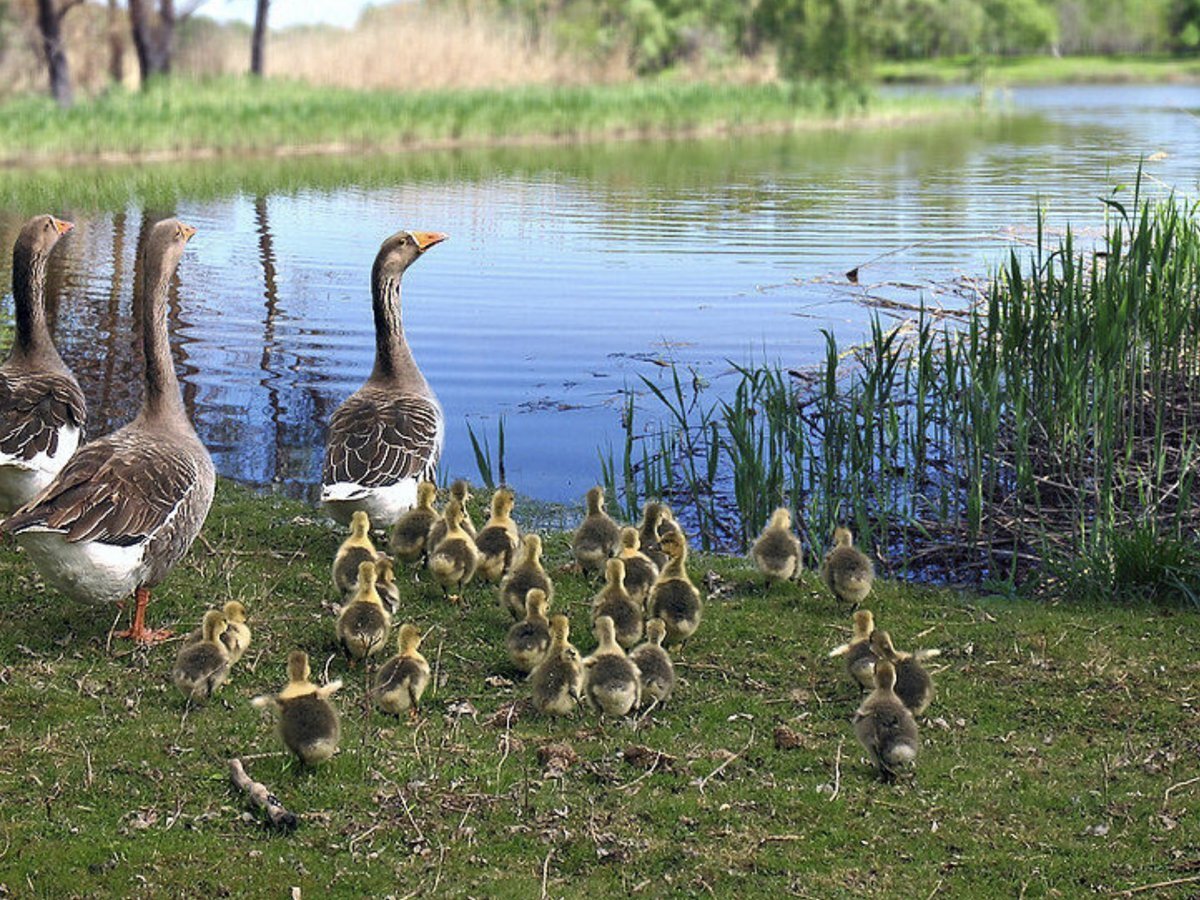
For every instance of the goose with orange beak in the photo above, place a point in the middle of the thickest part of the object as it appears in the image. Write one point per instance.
(387, 436)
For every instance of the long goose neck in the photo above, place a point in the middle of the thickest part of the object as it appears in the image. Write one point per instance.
(393, 359)
(163, 400)
(29, 298)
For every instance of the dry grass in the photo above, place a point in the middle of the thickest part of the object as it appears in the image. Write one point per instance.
(408, 46)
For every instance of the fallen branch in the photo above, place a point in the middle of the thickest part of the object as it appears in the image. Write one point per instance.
(278, 816)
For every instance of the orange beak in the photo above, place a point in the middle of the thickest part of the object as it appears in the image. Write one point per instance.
(426, 239)
(61, 226)
(187, 230)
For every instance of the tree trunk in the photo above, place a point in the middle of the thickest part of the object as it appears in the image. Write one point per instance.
(50, 27)
(154, 41)
(260, 37)
(116, 44)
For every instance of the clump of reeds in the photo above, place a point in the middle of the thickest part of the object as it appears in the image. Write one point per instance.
(1062, 418)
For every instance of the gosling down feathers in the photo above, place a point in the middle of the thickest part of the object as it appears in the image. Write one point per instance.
(408, 540)
(385, 583)
(777, 550)
(364, 624)
(308, 723)
(860, 658)
(403, 678)
(557, 682)
(614, 601)
(460, 491)
(42, 410)
(847, 571)
(674, 598)
(612, 681)
(454, 559)
(387, 436)
(598, 535)
(655, 669)
(640, 570)
(655, 523)
(202, 667)
(355, 550)
(885, 727)
(913, 684)
(236, 636)
(526, 575)
(126, 508)
(528, 641)
(497, 540)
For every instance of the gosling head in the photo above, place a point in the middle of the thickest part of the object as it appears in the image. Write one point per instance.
(384, 569)
(461, 491)
(426, 494)
(235, 612)
(535, 603)
(885, 675)
(360, 524)
(366, 576)
(864, 624)
(409, 639)
(533, 547)
(453, 514)
(629, 539)
(213, 624)
(298, 666)
(605, 630)
(842, 537)
(560, 629)
(656, 631)
(782, 518)
(595, 500)
(881, 643)
(614, 573)
(502, 503)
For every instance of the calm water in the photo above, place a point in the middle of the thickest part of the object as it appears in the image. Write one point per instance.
(569, 272)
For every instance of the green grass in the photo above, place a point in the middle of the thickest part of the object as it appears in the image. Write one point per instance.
(1054, 756)
(1041, 70)
(242, 116)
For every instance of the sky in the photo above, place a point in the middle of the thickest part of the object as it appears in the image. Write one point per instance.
(285, 13)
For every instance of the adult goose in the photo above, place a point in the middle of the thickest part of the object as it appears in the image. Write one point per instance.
(126, 508)
(42, 410)
(387, 436)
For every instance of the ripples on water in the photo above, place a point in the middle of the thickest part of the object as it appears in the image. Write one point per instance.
(569, 271)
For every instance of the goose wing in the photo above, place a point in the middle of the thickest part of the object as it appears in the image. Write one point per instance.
(34, 407)
(378, 438)
(120, 490)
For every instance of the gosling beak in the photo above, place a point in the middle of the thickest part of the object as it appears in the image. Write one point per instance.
(426, 239)
(62, 227)
(187, 230)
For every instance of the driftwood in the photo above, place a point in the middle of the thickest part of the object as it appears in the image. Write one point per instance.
(261, 797)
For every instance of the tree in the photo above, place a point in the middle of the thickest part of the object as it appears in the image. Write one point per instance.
(49, 20)
(259, 38)
(154, 34)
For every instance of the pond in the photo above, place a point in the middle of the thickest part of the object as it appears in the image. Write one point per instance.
(569, 271)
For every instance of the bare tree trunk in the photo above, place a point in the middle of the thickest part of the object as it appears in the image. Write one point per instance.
(50, 26)
(154, 35)
(260, 37)
(116, 44)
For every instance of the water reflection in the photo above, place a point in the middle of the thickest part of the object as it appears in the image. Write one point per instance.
(568, 272)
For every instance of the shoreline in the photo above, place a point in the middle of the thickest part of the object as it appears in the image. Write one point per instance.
(618, 134)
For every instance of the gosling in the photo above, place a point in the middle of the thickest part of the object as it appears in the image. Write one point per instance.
(202, 667)
(614, 601)
(597, 536)
(408, 540)
(777, 550)
(403, 678)
(355, 549)
(860, 658)
(528, 641)
(526, 575)
(612, 682)
(847, 570)
(913, 684)
(454, 559)
(363, 624)
(656, 671)
(674, 598)
(308, 723)
(557, 682)
(885, 727)
(498, 539)
(640, 570)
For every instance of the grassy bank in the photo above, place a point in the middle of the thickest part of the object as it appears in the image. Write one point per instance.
(1041, 70)
(1056, 759)
(237, 116)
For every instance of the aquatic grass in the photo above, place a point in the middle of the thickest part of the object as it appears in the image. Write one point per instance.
(1060, 418)
(232, 116)
(491, 471)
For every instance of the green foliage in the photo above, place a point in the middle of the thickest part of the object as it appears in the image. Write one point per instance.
(1183, 22)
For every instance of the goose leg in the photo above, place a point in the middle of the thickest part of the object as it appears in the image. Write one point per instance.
(139, 632)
